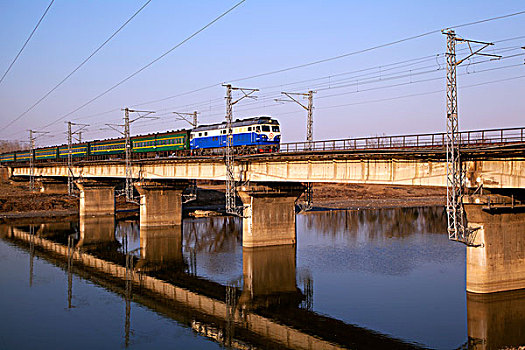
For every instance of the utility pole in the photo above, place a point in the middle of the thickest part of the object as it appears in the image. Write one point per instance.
(229, 159)
(129, 174)
(310, 110)
(183, 116)
(309, 134)
(31, 161)
(128, 190)
(457, 229)
(32, 139)
(192, 195)
(70, 133)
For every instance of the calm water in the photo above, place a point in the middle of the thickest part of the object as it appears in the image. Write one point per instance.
(363, 279)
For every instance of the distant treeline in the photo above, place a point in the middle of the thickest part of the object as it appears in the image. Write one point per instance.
(11, 146)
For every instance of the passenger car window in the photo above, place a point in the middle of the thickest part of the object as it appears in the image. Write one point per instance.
(275, 128)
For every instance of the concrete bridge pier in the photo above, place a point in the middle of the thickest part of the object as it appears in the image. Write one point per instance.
(97, 197)
(53, 186)
(496, 262)
(269, 213)
(161, 202)
(269, 277)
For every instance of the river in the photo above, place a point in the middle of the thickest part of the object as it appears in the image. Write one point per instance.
(386, 278)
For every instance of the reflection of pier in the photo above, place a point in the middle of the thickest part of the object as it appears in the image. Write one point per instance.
(269, 277)
(160, 248)
(269, 293)
(496, 320)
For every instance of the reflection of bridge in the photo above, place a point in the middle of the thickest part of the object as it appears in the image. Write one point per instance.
(227, 314)
(495, 172)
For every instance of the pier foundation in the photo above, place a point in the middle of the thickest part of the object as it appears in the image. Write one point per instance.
(161, 202)
(96, 197)
(496, 261)
(53, 186)
(269, 213)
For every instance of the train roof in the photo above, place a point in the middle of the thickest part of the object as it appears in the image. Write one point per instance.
(239, 122)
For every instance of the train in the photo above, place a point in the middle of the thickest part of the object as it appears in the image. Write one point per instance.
(249, 136)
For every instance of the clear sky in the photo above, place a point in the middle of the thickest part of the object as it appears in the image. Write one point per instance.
(258, 37)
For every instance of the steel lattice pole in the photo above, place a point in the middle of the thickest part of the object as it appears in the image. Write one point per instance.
(310, 120)
(129, 175)
(230, 179)
(31, 161)
(69, 160)
(454, 170)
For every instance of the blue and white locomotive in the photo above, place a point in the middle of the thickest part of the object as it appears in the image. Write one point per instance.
(252, 135)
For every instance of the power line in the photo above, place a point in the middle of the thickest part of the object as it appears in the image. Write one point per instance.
(377, 47)
(198, 104)
(147, 65)
(27, 40)
(79, 66)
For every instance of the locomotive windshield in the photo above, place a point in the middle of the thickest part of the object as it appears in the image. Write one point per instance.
(265, 128)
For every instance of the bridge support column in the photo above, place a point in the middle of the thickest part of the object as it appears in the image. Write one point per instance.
(96, 197)
(496, 262)
(53, 186)
(269, 213)
(161, 202)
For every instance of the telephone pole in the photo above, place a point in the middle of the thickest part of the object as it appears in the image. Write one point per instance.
(70, 134)
(128, 190)
(231, 208)
(457, 229)
(309, 134)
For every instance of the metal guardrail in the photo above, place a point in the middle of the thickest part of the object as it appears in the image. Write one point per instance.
(468, 139)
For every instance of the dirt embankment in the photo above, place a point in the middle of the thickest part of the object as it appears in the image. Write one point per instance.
(15, 198)
(354, 196)
(16, 201)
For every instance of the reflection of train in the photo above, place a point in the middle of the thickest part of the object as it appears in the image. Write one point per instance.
(252, 135)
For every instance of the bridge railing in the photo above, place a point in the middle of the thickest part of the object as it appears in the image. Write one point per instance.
(467, 139)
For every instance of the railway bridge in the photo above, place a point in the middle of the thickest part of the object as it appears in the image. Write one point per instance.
(269, 184)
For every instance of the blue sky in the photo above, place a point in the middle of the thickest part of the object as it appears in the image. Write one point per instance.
(258, 37)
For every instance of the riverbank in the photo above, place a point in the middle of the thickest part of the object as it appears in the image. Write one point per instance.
(17, 202)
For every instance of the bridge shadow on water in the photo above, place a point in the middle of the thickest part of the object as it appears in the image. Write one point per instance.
(269, 305)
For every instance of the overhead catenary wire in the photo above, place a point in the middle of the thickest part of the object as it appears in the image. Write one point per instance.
(27, 40)
(146, 66)
(355, 52)
(428, 57)
(78, 67)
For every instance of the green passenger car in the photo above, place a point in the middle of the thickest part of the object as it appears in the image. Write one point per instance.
(7, 157)
(79, 150)
(24, 156)
(46, 153)
(114, 146)
(165, 142)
